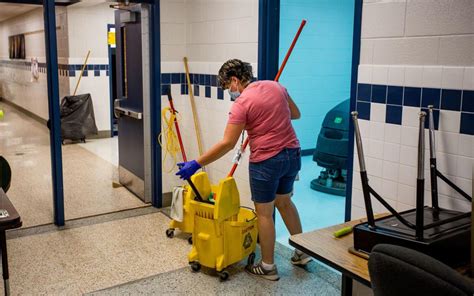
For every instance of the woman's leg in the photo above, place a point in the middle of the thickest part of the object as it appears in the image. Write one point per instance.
(289, 213)
(266, 230)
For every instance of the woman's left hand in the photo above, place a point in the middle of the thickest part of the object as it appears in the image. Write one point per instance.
(187, 169)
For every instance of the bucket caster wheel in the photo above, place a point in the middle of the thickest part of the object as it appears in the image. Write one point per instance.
(251, 259)
(195, 266)
(223, 275)
(190, 240)
(170, 232)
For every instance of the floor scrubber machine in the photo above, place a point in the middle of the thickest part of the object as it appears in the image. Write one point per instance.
(331, 151)
(441, 233)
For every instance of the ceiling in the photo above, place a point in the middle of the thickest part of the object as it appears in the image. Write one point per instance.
(8, 10)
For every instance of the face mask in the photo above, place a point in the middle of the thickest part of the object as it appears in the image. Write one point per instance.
(234, 95)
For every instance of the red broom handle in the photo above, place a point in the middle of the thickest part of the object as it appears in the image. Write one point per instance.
(277, 77)
(180, 140)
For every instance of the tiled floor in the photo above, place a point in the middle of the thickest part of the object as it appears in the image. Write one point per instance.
(316, 209)
(106, 148)
(87, 177)
(132, 255)
(92, 257)
(315, 279)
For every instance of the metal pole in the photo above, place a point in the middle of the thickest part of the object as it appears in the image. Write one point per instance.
(360, 150)
(433, 168)
(420, 182)
(432, 132)
(363, 172)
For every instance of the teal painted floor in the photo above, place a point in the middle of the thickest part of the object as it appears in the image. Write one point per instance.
(317, 209)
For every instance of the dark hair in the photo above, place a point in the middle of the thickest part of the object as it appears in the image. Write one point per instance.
(237, 68)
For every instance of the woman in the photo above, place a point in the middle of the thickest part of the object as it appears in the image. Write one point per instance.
(265, 110)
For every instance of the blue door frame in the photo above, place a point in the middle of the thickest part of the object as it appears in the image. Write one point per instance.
(268, 43)
(53, 106)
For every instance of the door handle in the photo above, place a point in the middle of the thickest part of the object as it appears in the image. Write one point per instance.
(121, 111)
(128, 112)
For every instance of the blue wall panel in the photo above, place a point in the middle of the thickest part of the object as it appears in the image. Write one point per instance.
(318, 74)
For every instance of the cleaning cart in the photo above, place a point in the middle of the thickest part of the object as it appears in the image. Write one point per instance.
(224, 232)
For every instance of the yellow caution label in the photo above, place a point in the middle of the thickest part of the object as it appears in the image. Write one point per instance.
(111, 38)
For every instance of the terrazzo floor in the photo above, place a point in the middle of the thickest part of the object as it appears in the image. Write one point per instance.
(133, 256)
(88, 178)
(315, 279)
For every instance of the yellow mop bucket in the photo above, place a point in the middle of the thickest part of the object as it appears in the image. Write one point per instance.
(224, 233)
(187, 224)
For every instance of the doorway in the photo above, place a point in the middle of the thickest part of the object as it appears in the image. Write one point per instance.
(318, 77)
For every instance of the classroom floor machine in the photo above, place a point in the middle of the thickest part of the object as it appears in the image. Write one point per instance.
(441, 233)
(331, 151)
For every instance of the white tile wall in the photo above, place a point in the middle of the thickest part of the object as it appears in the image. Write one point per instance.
(390, 14)
(366, 51)
(406, 51)
(449, 121)
(456, 50)
(468, 83)
(432, 76)
(378, 114)
(413, 76)
(410, 117)
(396, 75)
(426, 44)
(379, 74)
(452, 77)
(215, 31)
(365, 74)
(445, 17)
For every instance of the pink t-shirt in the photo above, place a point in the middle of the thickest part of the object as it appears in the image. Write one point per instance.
(263, 107)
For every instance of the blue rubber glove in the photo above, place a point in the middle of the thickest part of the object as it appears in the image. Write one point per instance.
(187, 169)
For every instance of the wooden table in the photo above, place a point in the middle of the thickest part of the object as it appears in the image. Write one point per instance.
(12, 221)
(322, 245)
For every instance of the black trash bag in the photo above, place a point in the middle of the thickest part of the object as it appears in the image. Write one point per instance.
(77, 117)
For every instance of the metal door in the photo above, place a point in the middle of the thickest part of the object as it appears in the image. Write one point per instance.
(130, 102)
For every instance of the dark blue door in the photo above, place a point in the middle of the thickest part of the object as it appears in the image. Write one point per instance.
(129, 103)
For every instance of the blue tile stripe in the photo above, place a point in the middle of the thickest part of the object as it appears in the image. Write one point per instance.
(396, 97)
(66, 70)
(207, 81)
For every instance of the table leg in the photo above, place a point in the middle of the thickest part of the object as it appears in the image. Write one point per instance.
(346, 287)
(3, 246)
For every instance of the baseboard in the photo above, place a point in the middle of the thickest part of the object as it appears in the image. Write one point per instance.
(306, 152)
(25, 111)
(100, 135)
(166, 199)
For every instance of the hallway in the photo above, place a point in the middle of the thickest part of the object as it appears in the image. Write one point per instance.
(88, 190)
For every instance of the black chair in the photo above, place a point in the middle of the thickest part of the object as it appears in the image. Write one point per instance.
(5, 174)
(398, 271)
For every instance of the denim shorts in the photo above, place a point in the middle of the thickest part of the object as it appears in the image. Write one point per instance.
(275, 175)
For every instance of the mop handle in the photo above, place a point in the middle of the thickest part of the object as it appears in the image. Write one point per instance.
(178, 133)
(82, 72)
(277, 77)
